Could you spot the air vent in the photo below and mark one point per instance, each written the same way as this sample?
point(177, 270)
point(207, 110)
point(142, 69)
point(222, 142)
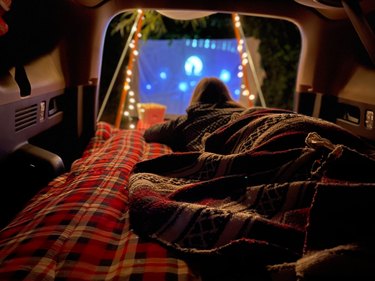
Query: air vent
point(26, 117)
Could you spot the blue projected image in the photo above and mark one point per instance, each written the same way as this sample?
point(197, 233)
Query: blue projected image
point(169, 70)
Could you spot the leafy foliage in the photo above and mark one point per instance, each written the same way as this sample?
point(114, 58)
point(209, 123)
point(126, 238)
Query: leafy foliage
point(280, 49)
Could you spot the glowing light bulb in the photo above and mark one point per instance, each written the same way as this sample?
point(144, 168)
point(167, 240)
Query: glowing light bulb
point(251, 97)
point(163, 75)
point(225, 75)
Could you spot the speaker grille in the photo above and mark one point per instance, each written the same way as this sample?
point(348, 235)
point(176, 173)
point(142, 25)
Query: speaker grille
point(26, 117)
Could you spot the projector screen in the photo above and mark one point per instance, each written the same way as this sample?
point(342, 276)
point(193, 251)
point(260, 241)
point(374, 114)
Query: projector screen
point(170, 69)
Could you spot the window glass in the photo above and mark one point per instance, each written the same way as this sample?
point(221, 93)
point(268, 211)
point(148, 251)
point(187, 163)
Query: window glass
point(150, 58)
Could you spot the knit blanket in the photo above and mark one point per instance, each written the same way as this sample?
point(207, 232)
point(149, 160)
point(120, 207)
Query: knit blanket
point(269, 188)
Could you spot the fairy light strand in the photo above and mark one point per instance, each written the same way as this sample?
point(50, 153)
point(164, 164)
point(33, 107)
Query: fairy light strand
point(242, 68)
point(121, 111)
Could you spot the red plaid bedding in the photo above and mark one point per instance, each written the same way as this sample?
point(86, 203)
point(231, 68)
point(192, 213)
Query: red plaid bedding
point(77, 228)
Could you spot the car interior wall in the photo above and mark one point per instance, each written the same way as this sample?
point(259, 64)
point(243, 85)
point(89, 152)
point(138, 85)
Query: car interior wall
point(318, 49)
point(55, 73)
point(344, 86)
point(83, 43)
point(339, 57)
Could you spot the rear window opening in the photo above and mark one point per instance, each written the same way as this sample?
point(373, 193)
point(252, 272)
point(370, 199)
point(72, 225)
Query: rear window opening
point(153, 59)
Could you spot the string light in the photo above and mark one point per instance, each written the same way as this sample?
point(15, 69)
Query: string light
point(133, 45)
point(242, 68)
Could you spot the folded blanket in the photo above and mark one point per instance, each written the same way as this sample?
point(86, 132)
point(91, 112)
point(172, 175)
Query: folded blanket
point(258, 193)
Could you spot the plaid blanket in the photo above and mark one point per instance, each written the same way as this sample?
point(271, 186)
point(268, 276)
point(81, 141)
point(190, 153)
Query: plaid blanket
point(270, 188)
point(77, 228)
